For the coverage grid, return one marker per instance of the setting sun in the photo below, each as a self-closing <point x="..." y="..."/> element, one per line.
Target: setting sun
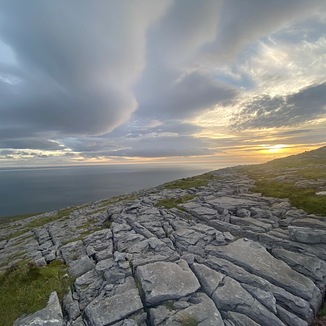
<point x="276" y="148"/>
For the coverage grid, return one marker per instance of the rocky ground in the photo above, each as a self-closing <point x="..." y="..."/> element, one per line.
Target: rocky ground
<point x="223" y="256"/>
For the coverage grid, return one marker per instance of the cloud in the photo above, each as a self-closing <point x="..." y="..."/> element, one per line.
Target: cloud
<point x="243" y="22"/>
<point x="149" y="146"/>
<point x="30" y="143"/>
<point x="143" y="78"/>
<point x="76" y="62"/>
<point x="279" y="111"/>
<point x="186" y="97"/>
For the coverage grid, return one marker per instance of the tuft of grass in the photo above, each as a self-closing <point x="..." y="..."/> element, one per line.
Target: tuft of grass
<point x="188" y="320"/>
<point x="173" y="202"/>
<point x="26" y="288"/>
<point x="192" y="182"/>
<point x="169" y="304"/>
<point x="321" y="316"/>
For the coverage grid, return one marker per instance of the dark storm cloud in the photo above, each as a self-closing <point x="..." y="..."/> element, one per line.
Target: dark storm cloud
<point x="268" y="112"/>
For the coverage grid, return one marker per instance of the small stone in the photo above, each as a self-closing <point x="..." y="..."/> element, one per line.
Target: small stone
<point x="228" y="236"/>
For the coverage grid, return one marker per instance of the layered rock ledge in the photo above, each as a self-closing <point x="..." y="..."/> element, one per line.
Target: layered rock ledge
<point x="225" y="256"/>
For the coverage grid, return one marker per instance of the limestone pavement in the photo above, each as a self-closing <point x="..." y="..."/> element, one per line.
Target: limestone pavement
<point x="225" y="257"/>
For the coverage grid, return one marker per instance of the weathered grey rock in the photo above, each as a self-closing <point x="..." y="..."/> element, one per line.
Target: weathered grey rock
<point x="273" y="242"/>
<point x="308" y="265"/>
<point x="72" y="251"/>
<point x="51" y="256"/>
<point x="51" y="315"/>
<point x="307" y="235"/>
<point x="200" y="211"/>
<point x="264" y="297"/>
<point x="229" y="203"/>
<point x="71" y="306"/>
<point x="152" y="250"/>
<point x="204" y="311"/>
<point x="87" y="288"/>
<point x="81" y="266"/>
<point x="199" y="309"/>
<point x="78" y="322"/>
<point x="286" y="299"/>
<point x="242" y="212"/>
<point x="239" y="319"/>
<point x="229" y="295"/>
<point x="290" y="319"/>
<point x="105" y="311"/>
<point x="162" y="281"/>
<point x="255" y="258"/>
<point x="260" y="226"/>
<point x="257" y="212"/>
<point x="159" y="314"/>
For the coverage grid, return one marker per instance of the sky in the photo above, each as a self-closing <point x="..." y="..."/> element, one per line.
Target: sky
<point x="168" y="81"/>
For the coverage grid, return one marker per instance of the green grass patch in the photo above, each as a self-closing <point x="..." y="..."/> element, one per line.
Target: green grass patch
<point x="26" y="288"/>
<point x="173" y="202"/>
<point x="192" y="182"/>
<point x="40" y="221"/>
<point x="14" y="218"/>
<point x="305" y="199"/>
<point x="117" y="199"/>
<point x="322" y="311"/>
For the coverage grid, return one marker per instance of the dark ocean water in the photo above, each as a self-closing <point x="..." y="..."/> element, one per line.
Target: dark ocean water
<point x="33" y="190"/>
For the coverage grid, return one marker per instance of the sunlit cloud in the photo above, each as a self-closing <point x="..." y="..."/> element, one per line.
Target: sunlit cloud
<point x="175" y="81"/>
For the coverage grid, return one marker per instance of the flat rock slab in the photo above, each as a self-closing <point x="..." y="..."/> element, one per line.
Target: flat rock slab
<point x="105" y="311"/>
<point x="229" y="295"/>
<point x="232" y="202"/>
<point x="257" y="260"/>
<point x="163" y="281"/>
<point x="307" y="235"/>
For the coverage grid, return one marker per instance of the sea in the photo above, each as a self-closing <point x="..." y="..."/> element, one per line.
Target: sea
<point x="44" y="189"/>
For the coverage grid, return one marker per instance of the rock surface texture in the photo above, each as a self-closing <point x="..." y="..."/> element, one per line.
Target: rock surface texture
<point x="225" y="256"/>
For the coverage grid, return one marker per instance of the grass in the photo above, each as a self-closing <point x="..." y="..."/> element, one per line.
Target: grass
<point x="305" y="199"/>
<point x="63" y="213"/>
<point x="26" y="288"/>
<point x="321" y="316"/>
<point x="294" y="169"/>
<point x="173" y="202"/>
<point x="188" y="320"/>
<point x="192" y="182"/>
<point x="9" y="219"/>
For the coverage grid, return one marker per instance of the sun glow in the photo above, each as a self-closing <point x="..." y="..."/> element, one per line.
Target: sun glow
<point x="276" y="148"/>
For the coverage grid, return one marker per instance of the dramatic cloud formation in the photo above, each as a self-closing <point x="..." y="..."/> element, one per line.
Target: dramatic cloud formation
<point x="105" y="81"/>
